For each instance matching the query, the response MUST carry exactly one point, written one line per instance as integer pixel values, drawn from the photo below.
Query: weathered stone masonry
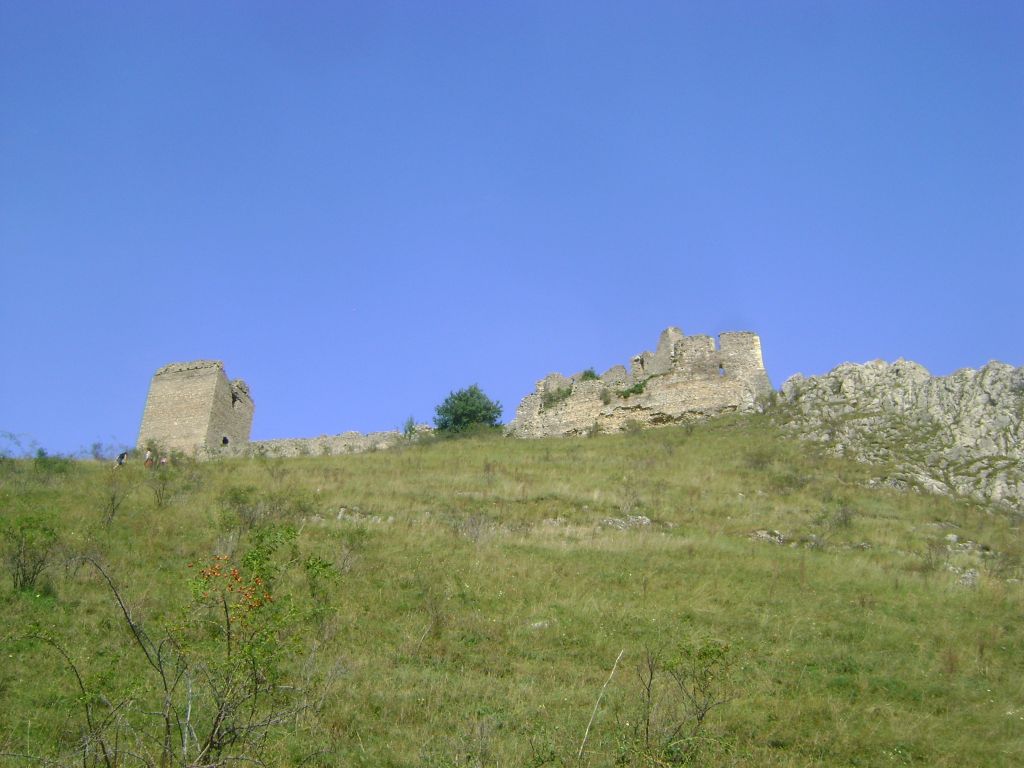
(684, 379)
(961, 434)
(193, 406)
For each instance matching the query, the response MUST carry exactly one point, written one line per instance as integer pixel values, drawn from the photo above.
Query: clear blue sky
(361, 207)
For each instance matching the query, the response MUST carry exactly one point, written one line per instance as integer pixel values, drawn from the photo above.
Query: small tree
(27, 546)
(221, 684)
(466, 408)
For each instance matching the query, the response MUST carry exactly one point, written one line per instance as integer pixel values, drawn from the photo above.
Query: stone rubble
(630, 521)
(770, 536)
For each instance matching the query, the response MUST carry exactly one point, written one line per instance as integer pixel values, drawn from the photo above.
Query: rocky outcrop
(684, 379)
(960, 434)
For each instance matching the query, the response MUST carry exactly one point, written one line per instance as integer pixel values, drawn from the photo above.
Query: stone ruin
(193, 406)
(685, 379)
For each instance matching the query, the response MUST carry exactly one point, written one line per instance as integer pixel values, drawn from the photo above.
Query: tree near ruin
(466, 408)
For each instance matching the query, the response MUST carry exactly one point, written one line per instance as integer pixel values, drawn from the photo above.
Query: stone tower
(192, 406)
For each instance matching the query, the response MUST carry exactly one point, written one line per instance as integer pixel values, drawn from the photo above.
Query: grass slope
(462, 603)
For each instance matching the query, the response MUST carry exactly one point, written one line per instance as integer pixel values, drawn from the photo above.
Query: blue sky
(360, 207)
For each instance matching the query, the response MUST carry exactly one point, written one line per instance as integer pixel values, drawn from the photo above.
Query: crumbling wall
(684, 379)
(740, 358)
(231, 413)
(325, 445)
(192, 406)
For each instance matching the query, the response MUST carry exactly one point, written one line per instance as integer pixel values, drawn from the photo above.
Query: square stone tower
(193, 406)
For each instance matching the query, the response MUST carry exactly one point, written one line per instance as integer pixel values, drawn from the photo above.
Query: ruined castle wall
(740, 355)
(325, 445)
(574, 415)
(177, 413)
(674, 397)
(697, 356)
(616, 376)
(555, 382)
(687, 378)
(662, 359)
(231, 411)
(192, 405)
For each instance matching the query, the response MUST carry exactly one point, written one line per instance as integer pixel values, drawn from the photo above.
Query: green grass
(479, 600)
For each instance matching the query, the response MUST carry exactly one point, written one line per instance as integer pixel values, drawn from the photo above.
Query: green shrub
(553, 397)
(589, 375)
(27, 545)
(51, 466)
(636, 389)
(215, 687)
(466, 408)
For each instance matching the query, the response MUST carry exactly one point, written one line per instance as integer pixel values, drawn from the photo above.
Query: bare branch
(597, 703)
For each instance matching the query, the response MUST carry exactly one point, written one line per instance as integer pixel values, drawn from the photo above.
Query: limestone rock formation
(960, 434)
(684, 379)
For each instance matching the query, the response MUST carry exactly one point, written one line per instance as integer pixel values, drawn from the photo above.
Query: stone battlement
(685, 378)
(194, 365)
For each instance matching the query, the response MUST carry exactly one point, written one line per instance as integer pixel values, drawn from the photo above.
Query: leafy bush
(27, 545)
(217, 690)
(589, 375)
(466, 408)
(636, 389)
(51, 466)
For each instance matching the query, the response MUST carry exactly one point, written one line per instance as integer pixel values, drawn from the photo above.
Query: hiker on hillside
(122, 457)
(149, 459)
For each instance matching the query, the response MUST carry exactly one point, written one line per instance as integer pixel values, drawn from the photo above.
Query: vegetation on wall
(635, 389)
(553, 397)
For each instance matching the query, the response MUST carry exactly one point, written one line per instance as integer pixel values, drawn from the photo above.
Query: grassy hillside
(469, 602)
